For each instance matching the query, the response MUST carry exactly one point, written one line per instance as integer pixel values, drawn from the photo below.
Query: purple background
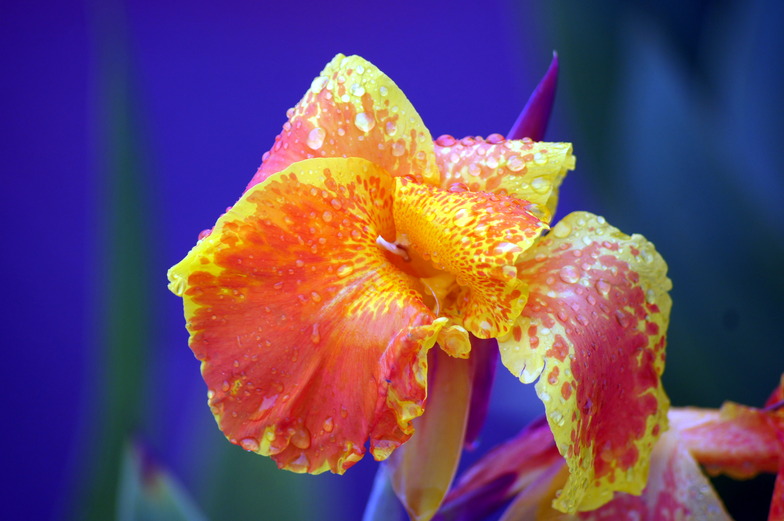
(127, 127)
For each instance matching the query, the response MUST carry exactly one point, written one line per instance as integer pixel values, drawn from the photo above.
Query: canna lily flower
(736, 440)
(360, 244)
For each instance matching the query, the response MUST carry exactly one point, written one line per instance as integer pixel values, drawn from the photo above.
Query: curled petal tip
(532, 122)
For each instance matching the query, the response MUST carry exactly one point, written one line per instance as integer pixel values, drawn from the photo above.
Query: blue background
(128, 127)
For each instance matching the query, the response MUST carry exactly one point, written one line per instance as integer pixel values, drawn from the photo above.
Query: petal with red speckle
(477, 238)
(735, 440)
(594, 329)
(354, 110)
(311, 341)
(524, 169)
(676, 491)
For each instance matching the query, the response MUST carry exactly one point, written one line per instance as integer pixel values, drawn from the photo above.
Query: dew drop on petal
(315, 337)
(316, 138)
(383, 90)
(327, 216)
(515, 163)
(474, 169)
(357, 89)
(562, 230)
(398, 149)
(344, 270)
(364, 121)
(569, 274)
(603, 287)
(318, 84)
(300, 438)
(539, 185)
(445, 141)
(249, 444)
(329, 424)
(390, 128)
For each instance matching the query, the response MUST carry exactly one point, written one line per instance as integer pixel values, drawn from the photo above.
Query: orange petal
(312, 342)
(594, 328)
(521, 168)
(475, 236)
(354, 110)
(423, 469)
(736, 440)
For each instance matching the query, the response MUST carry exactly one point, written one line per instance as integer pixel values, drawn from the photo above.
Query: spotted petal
(594, 329)
(477, 237)
(311, 341)
(521, 168)
(354, 110)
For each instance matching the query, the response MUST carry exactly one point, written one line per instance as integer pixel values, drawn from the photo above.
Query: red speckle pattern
(477, 237)
(354, 110)
(530, 171)
(312, 343)
(597, 310)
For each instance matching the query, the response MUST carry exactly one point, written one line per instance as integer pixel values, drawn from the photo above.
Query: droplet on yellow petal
(593, 333)
(528, 170)
(354, 110)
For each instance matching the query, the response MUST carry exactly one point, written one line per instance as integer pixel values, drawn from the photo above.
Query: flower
(361, 243)
(736, 440)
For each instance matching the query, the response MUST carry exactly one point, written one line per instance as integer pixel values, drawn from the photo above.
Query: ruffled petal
(478, 238)
(311, 341)
(736, 440)
(422, 470)
(354, 110)
(677, 489)
(594, 328)
(524, 169)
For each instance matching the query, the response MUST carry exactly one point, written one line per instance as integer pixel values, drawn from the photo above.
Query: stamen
(393, 248)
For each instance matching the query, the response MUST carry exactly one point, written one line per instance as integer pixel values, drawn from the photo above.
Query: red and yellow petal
(735, 440)
(524, 169)
(354, 110)
(311, 341)
(475, 236)
(594, 329)
(676, 490)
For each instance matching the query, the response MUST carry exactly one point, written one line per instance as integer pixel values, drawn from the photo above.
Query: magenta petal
(485, 360)
(532, 121)
(479, 503)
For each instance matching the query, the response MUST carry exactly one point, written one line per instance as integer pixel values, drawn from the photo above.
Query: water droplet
(569, 274)
(562, 230)
(344, 270)
(398, 149)
(507, 247)
(603, 287)
(516, 164)
(300, 438)
(474, 169)
(315, 337)
(557, 418)
(327, 216)
(383, 90)
(540, 185)
(318, 84)
(495, 139)
(315, 296)
(356, 89)
(364, 121)
(249, 444)
(278, 285)
(391, 128)
(457, 187)
(316, 138)
(540, 159)
(622, 318)
(329, 424)
(445, 141)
